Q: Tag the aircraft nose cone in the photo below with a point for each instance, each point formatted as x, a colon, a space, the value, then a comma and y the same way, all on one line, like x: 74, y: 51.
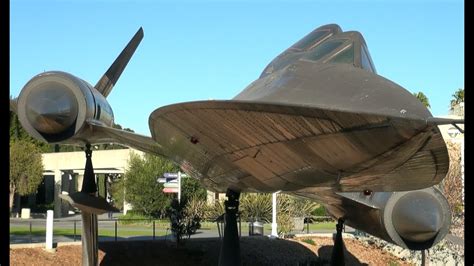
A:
x: 417, y: 217
x: 51, y: 108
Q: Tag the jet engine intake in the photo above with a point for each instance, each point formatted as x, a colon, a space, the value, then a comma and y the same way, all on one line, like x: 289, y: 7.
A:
x: 54, y: 107
x: 415, y: 219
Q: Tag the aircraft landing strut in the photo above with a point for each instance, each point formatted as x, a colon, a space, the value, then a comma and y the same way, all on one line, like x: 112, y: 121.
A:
x: 89, y: 220
x: 230, y: 249
x: 337, y: 256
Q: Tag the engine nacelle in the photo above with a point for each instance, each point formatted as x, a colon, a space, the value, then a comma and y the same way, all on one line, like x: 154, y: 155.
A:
x: 417, y: 219
x: 55, y: 106
x: 412, y: 219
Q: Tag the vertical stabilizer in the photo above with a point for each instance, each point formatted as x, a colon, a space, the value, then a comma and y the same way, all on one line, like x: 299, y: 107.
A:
x: 108, y: 80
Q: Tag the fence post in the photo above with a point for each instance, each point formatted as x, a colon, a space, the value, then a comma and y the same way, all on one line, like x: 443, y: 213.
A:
x: 74, y: 230
x: 115, y: 230
x: 153, y: 229
x: 31, y: 234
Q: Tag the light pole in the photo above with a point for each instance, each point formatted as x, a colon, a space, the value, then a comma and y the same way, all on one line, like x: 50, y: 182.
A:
x: 274, y: 214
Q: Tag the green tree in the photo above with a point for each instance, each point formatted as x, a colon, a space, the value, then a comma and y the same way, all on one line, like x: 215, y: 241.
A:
x: 458, y: 97
x: 117, y: 190
x: 18, y: 133
x: 191, y: 187
x: 26, y: 168
x: 141, y: 187
x: 423, y: 99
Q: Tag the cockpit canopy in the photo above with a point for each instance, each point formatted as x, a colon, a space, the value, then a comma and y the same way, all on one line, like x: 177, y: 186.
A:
x: 326, y: 44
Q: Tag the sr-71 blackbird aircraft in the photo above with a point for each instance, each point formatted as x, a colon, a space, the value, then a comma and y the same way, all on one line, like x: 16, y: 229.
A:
x: 318, y: 123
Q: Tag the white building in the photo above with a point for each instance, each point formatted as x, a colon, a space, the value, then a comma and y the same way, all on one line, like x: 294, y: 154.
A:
x: 64, y: 172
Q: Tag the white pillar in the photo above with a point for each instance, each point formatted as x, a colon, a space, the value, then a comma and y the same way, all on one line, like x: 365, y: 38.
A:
x: 49, y: 229
x: 179, y: 186
x: 274, y: 214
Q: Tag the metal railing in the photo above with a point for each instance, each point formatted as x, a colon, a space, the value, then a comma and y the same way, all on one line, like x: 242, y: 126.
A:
x: 27, y: 230
x: 32, y: 228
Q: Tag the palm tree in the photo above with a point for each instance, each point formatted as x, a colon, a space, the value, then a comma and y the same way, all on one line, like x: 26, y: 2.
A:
x: 458, y: 97
x: 423, y: 99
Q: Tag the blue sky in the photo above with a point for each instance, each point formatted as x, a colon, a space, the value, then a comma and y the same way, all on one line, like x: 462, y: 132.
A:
x: 213, y: 49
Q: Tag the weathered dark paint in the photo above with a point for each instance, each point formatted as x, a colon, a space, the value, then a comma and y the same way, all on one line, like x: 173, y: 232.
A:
x: 318, y: 123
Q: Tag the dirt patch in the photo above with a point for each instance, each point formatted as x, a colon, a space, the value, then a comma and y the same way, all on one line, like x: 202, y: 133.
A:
x: 355, y: 252
x: 64, y: 255
x: 254, y: 251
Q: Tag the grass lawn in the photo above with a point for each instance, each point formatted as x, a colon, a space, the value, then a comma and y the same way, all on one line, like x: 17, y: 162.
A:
x: 163, y: 224
x: 161, y: 228
x: 17, y: 230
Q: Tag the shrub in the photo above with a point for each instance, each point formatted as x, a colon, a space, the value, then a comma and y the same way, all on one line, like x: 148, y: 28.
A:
x: 215, y: 210
x: 194, y: 212
x: 290, y: 207
x: 42, y: 208
x: 285, y: 224
x: 303, y: 207
x: 256, y: 206
x: 186, y: 217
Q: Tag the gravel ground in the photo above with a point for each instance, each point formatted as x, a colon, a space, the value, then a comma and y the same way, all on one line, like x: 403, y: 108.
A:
x: 254, y: 251
x: 443, y: 253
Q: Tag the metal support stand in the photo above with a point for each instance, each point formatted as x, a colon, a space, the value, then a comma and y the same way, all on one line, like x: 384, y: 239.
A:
x: 89, y: 237
x: 425, y: 258
x: 230, y: 249
x: 337, y: 256
x: 90, y: 206
x: 90, y: 248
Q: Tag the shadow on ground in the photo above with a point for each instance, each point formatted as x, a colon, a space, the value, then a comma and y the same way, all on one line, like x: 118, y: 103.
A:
x: 205, y: 251
x: 349, y: 259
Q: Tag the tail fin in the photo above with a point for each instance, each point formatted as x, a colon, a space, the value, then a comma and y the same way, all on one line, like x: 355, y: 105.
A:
x: 108, y: 80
